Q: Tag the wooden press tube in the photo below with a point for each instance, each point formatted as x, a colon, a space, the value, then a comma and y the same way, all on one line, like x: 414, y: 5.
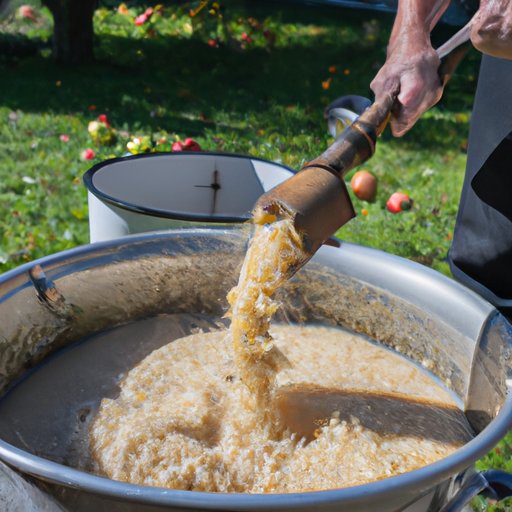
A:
x: 316, y: 197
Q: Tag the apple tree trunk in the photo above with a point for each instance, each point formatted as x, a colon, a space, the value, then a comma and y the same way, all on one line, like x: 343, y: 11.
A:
x: 73, y: 32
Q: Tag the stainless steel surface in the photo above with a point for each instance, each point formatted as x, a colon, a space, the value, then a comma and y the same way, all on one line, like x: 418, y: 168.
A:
x: 187, y: 273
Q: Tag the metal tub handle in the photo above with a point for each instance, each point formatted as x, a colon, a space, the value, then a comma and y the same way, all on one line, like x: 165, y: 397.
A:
x: 493, y: 484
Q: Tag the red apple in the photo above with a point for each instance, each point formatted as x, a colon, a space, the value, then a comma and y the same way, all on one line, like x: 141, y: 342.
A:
x: 398, y: 202
x: 26, y: 11
x: 364, y: 185
x: 188, y: 144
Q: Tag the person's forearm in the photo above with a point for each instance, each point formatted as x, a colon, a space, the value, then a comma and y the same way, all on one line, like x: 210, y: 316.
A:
x: 415, y: 19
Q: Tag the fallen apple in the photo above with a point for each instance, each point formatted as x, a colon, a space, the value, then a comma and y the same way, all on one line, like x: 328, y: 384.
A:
x: 364, y: 185
x: 26, y: 11
x: 188, y: 144
x: 398, y: 202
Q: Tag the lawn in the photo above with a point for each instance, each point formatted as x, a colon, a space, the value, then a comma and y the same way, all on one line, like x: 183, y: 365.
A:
x: 244, y: 77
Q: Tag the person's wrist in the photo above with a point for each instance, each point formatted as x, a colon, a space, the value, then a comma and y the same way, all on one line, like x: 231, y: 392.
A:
x: 409, y: 43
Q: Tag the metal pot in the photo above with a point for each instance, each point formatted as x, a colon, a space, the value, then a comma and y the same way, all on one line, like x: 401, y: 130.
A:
x: 49, y: 304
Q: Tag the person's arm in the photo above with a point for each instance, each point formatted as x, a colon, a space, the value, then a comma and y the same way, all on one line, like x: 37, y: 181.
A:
x: 411, y: 67
x: 491, y: 29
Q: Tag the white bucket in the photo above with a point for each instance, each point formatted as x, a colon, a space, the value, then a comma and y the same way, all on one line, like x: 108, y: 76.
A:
x: 170, y: 190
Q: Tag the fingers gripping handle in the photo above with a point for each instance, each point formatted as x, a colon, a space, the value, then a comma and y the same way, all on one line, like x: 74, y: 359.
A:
x: 450, y: 53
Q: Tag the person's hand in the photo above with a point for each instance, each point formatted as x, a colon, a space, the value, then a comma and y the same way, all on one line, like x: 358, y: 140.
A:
x: 491, y: 28
x: 410, y: 72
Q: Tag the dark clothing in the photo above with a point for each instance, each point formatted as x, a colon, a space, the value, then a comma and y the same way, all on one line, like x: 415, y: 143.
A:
x: 481, y: 253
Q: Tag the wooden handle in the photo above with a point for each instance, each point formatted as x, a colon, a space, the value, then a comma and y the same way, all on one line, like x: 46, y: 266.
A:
x: 357, y: 143
x: 451, y: 61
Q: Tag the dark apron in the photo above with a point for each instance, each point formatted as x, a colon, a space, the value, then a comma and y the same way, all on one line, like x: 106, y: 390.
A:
x: 481, y: 253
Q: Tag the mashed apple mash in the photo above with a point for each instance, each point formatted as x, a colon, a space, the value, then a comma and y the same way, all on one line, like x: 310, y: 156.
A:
x: 285, y: 409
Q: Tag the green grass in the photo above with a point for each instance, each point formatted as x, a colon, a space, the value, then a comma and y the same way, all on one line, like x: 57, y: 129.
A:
x: 264, y: 99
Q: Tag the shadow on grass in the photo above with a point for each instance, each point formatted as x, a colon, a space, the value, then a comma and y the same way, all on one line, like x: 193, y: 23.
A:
x: 184, y: 85
x: 17, y: 46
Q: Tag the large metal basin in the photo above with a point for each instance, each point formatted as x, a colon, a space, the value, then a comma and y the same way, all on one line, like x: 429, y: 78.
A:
x: 47, y: 305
